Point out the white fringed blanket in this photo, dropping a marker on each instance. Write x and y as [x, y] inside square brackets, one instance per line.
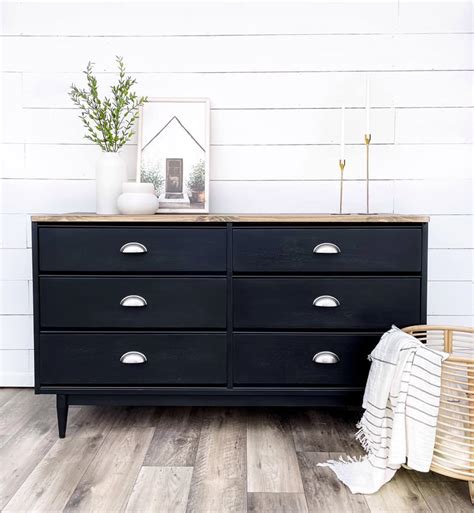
[401, 403]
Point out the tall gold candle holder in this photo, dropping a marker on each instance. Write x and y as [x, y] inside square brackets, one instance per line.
[367, 138]
[342, 165]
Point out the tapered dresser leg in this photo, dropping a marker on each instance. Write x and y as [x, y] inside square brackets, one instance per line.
[62, 407]
[471, 490]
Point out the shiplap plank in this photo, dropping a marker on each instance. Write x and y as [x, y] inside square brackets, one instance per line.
[12, 123]
[283, 162]
[242, 53]
[14, 297]
[15, 264]
[280, 126]
[450, 298]
[451, 232]
[214, 53]
[166, 18]
[48, 161]
[434, 196]
[13, 231]
[12, 159]
[16, 332]
[275, 126]
[434, 125]
[450, 264]
[416, 16]
[285, 126]
[320, 162]
[432, 51]
[417, 161]
[52, 196]
[451, 320]
[280, 197]
[257, 90]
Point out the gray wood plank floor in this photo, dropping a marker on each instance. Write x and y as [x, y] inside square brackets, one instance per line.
[183, 460]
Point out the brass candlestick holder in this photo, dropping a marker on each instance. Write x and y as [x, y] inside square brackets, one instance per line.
[342, 165]
[367, 138]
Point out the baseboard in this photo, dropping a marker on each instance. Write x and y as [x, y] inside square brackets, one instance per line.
[16, 379]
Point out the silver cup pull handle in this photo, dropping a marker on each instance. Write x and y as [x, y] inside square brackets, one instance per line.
[132, 358]
[326, 357]
[133, 301]
[133, 247]
[327, 248]
[326, 302]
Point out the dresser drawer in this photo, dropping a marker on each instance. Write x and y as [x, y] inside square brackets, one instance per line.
[109, 249]
[95, 359]
[329, 249]
[364, 303]
[282, 359]
[99, 302]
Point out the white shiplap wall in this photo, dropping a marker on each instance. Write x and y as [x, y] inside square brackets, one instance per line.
[276, 74]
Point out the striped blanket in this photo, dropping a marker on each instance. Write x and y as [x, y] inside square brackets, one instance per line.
[401, 403]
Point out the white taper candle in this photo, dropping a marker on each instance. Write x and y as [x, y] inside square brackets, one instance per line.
[367, 106]
[343, 127]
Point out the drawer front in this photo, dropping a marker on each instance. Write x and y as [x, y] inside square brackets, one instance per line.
[340, 249]
[364, 303]
[279, 359]
[95, 249]
[95, 359]
[95, 302]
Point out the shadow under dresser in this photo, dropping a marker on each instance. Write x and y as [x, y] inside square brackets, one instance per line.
[244, 310]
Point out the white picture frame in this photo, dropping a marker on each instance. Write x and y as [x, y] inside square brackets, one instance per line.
[173, 152]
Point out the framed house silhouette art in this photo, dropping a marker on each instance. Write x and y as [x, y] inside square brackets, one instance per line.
[173, 152]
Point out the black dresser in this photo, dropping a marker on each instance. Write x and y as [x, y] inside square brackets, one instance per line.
[219, 309]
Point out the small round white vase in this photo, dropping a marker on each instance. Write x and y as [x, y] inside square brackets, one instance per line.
[111, 172]
[137, 199]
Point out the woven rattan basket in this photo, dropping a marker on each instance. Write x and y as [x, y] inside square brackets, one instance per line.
[454, 447]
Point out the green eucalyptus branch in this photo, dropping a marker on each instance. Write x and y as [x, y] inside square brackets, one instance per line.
[109, 122]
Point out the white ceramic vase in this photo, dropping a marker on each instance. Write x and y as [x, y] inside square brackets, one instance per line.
[137, 199]
[111, 172]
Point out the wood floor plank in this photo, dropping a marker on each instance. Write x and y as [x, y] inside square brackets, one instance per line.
[324, 492]
[271, 456]
[161, 489]
[219, 477]
[400, 495]
[176, 438]
[17, 411]
[325, 430]
[22, 452]
[277, 503]
[443, 494]
[52, 482]
[109, 479]
[137, 416]
[7, 393]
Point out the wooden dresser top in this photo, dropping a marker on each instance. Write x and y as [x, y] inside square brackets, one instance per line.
[232, 218]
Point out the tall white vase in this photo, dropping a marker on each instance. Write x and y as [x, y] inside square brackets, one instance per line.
[111, 172]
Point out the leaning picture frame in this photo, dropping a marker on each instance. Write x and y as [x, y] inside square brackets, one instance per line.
[173, 152]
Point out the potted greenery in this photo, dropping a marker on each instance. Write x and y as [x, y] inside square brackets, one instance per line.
[197, 182]
[109, 123]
